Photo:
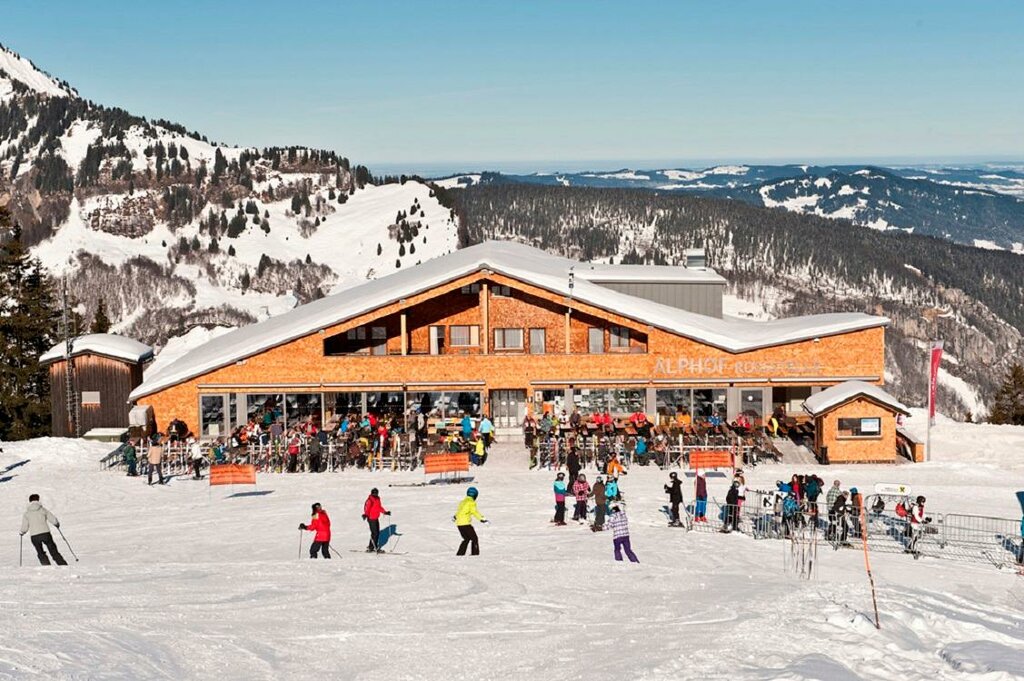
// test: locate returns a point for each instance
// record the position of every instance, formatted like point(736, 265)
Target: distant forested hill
point(792, 264)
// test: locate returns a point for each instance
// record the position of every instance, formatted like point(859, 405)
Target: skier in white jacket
point(36, 522)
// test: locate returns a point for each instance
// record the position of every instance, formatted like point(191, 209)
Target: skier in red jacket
point(372, 510)
point(320, 524)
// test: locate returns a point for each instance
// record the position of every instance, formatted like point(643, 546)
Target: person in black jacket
point(573, 464)
point(840, 525)
point(732, 508)
point(674, 490)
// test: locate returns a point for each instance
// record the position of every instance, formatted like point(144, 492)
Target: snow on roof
point(514, 260)
point(106, 344)
point(597, 272)
point(844, 392)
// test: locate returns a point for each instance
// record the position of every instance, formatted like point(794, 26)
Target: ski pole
point(21, 549)
point(300, 544)
point(66, 542)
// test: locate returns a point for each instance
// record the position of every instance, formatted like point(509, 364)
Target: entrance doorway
point(508, 408)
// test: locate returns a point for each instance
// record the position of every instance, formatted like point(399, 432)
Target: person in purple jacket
point(619, 525)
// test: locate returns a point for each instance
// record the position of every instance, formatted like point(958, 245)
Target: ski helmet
point(581, 476)
point(673, 475)
point(920, 500)
point(374, 492)
point(472, 493)
point(316, 507)
point(853, 490)
point(560, 476)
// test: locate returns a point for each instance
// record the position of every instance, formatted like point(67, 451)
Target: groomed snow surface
point(176, 582)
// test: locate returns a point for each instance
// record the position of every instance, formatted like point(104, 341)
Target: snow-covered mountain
point(981, 206)
point(174, 231)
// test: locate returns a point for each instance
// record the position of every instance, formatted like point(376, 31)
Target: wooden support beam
point(485, 342)
point(405, 334)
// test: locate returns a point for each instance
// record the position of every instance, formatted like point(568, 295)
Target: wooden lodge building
point(103, 369)
point(500, 328)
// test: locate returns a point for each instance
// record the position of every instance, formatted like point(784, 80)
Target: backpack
point(901, 510)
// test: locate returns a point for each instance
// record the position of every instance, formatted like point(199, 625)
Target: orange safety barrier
point(711, 458)
point(233, 474)
point(446, 463)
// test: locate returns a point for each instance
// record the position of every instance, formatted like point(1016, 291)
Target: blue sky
point(551, 85)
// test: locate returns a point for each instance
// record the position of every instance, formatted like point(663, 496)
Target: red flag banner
point(933, 378)
point(233, 474)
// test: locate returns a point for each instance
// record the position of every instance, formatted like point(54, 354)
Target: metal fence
point(949, 536)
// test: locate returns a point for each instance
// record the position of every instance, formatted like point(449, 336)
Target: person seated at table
point(683, 418)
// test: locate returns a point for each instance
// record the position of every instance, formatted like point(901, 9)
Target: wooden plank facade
point(112, 379)
point(559, 345)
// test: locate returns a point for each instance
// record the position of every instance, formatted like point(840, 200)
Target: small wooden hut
point(854, 422)
point(104, 368)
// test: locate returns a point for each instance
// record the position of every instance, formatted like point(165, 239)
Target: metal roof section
point(665, 274)
point(517, 261)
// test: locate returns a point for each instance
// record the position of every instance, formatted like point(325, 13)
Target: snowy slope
point(14, 67)
point(186, 582)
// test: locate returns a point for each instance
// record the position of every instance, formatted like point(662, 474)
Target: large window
point(508, 339)
point(264, 409)
point(340, 405)
point(860, 427)
point(302, 407)
point(708, 402)
point(619, 338)
point(617, 401)
point(213, 422)
point(464, 336)
point(437, 340)
point(385, 403)
point(595, 340)
point(538, 341)
point(379, 340)
point(358, 341)
point(752, 403)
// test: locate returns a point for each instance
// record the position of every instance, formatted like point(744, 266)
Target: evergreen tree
point(1008, 405)
point(28, 328)
point(100, 320)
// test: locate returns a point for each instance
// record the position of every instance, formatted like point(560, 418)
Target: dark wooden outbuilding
point(105, 369)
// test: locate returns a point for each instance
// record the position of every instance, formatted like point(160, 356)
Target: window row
point(373, 340)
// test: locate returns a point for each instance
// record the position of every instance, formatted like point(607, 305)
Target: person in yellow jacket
point(464, 521)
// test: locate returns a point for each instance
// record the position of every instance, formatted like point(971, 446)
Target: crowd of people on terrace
point(391, 439)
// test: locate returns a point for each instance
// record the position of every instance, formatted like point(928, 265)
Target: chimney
point(694, 258)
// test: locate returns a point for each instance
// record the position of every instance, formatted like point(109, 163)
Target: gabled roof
point(516, 261)
point(841, 393)
point(106, 344)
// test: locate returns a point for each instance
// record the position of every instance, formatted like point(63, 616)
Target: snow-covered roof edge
point(838, 394)
point(106, 344)
point(516, 261)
